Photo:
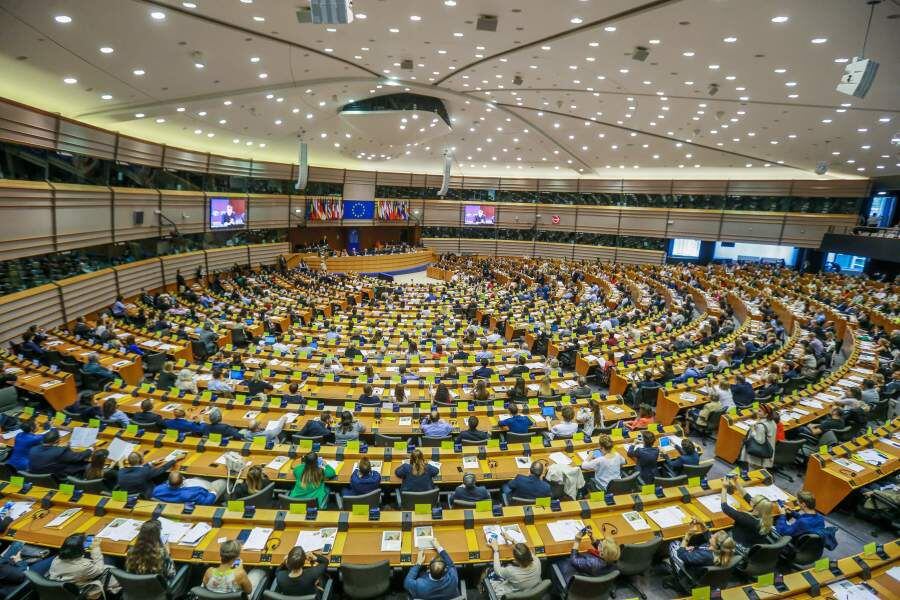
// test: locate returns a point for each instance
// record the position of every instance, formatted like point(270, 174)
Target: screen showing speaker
point(479, 214)
point(227, 213)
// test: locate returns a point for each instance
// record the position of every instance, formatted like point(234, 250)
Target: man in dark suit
point(48, 458)
point(147, 418)
point(136, 478)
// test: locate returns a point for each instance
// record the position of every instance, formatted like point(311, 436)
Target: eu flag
point(359, 209)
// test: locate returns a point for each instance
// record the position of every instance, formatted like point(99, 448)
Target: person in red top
point(645, 417)
point(779, 427)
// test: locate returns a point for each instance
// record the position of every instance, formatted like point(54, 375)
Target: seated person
point(417, 475)
point(257, 385)
point(137, 478)
point(515, 423)
point(49, 459)
point(834, 421)
point(22, 445)
point(83, 408)
point(520, 368)
point(310, 476)
point(167, 378)
point(217, 426)
point(182, 425)
point(95, 369)
point(645, 417)
point(484, 371)
point(97, 469)
point(434, 426)
point(301, 574)
point(582, 390)
point(605, 462)
point(148, 555)
point(565, 428)
point(645, 456)
point(439, 582)
point(803, 520)
point(255, 481)
point(690, 372)
point(518, 392)
point(218, 384)
point(111, 413)
point(529, 486)
point(742, 391)
point(87, 573)
point(293, 397)
point(147, 418)
point(320, 427)
point(696, 550)
point(687, 455)
point(523, 575)
point(472, 434)
point(229, 576)
point(256, 429)
point(348, 429)
point(750, 528)
point(600, 558)
point(368, 397)
point(469, 491)
point(198, 491)
point(363, 480)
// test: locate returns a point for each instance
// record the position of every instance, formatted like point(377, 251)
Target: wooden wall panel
point(221, 259)
point(714, 187)
point(834, 188)
point(138, 152)
point(649, 222)
point(37, 306)
point(224, 165)
point(694, 224)
point(84, 139)
point(88, 293)
point(394, 179)
point(520, 185)
point(326, 175)
point(185, 160)
point(187, 263)
point(779, 187)
point(596, 186)
point(83, 215)
point(807, 230)
point(515, 248)
point(23, 125)
point(593, 253)
point(558, 185)
point(268, 212)
point(553, 250)
point(140, 275)
point(470, 246)
point(267, 254)
point(270, 170)
point(443, 213)
point(516, 216)
point(478, 183)
point(442, 245)
point(127, 201)
point(26, 218)
point(187, 209)
point(598, 219)
point(742, 226)
point(360, 177)
point(640, 257)
point(566, 214)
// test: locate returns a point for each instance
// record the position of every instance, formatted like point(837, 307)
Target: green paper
point(67, 489)
point(235, 506)
point(700, 593)
point(120, 496)
point(693, 482)
point(360, 509)
point(821, 564)
point(297, 508)
point(765, 579)
point(422, 509)
point(870, 549)
point(544, 501)
point(483, 506)
point(648, 489)
point(17, 480)
point(95, 423)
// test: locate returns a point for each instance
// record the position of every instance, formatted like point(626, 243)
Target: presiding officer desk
point(358, 538)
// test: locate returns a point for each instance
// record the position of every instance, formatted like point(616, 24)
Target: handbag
point(757, 449)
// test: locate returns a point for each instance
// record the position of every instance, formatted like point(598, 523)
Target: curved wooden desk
point(378, 263)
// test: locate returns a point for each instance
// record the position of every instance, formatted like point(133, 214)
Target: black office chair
point(517, 501)
point(462, 591)
point(763, 558)
point(667, 482)
point(408, 500)
point(39, 479)
point(581, 587)
point(786, 453)
point(474, 442)
point(90, 486)
point(198, 349)
point(379, 440)
point(296, 438)
point(264, 498)
point(94, 383)
point(625, 485)
point(153, 363)
point(716, 578)
point(428, 441)
point(152, 587)
point(518, 438)
point(804, 551)
point(709, 431)
point(364, 582)
point(700, 470)
point(636, 559)
point(273, 594)
point(537, 593)
point(878, 412)
point(52, 590)
point(372, 499)
point(239, 338)
point(201, 593)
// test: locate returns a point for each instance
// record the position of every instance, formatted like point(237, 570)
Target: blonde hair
point(609, 549)
point(417, 462)
point(762, 509)
point(722, 547)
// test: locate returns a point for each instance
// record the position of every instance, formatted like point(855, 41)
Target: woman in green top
point(311, 480)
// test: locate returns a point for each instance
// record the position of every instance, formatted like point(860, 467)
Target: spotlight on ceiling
point(640, 53)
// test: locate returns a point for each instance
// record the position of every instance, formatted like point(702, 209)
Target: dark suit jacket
point(57, 460)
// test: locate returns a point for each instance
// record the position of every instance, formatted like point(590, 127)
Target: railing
point(863, 230)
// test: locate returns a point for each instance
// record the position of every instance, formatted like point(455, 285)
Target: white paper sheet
point(565, 530)
point(195, 534)
point(19, 508)
point(670, 516)
point(470, 462)
point(173, 531)
point(257, 538)
point(636, 521)
point(276, 463)
point(523, 462)
point(63, 517)
point(391, 541)
point(422, 537)
point(83, 437)
point(121, 530)
point(119, 449)
point(713, 503)
point(772, 492)
point(494, 533)
point(560, 458)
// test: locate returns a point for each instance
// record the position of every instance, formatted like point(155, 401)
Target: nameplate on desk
point(215, 438)
point(236, 506)
point(297, 508)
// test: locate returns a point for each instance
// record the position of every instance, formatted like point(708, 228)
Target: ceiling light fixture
point(70, 80)
point(106, 50)
point(158, 15)
point(63, 19)
point(780, 19)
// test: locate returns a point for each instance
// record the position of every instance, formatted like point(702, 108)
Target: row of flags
point(332, 209)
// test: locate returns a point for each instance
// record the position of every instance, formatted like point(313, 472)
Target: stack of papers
point(121, 530)
point(772, 492)
point(847, 590)
point(560, 458)
point(391, 541)
point(19, 508)
point(119, 449)
point(713, 502)
point(523, 462)
point(258, 538)
point(849, 465)
point(83, 437)
point(636, 521)
point(422, 537)
point(873, 457)
point(494, 533)
point(565, 530)
point(313, 541)
point(671, 516)
point(173, 531)
point(276, 463)
point(196, 533)
point(470, 462)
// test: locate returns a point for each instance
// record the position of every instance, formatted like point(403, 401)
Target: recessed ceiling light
point(415, 18)
point(202, 113)
point(458, 34)
point(781, 70)
point(64, 19)
point(138, 115)
point(826, 121)
point(609, 28)
point(449, 2)
point(623, 71)
point(210, 134)
point(199, 65)
point(655, 42)
point(688, 83)
point(862, 130)
point(713, 67)
point(70, 80)
point(236, 140)
point(819, 40)
point(688, 53)
point(106, 97)
point(884, 120)
point(223, 121)
point(394, 30)
point(790, 83)
point(576, 20)
point(189, 5)
point(730, 77)
point(139, 72)
point(793, 96)
point(730, 39)
point(227, 102)
point(780, 19)
point(254, 59)
point(842, 60)
point(180, 109)
point(263, 75)
point(160, 120)
point(259, 19)
point(106, 50)
point(329, 49)
point(158, 15)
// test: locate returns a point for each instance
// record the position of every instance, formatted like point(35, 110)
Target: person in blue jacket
point(687, 455)
point(742, 391)
point(531, 486)
point(179, 423)
point(804, 520)
point(515, 422)
point(645, 456)
point(174, 490)
point(363, 480)
point(24, 442)
point(439, 581)
point(600, 558)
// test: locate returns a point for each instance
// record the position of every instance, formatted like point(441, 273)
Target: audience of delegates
point(47, 458)
point(194, 491)
point(529, 486)
point(140, 479)
point(646, 456)
point(84, 567)
point(606, 464)
point(229, 576)
point(301, 575)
